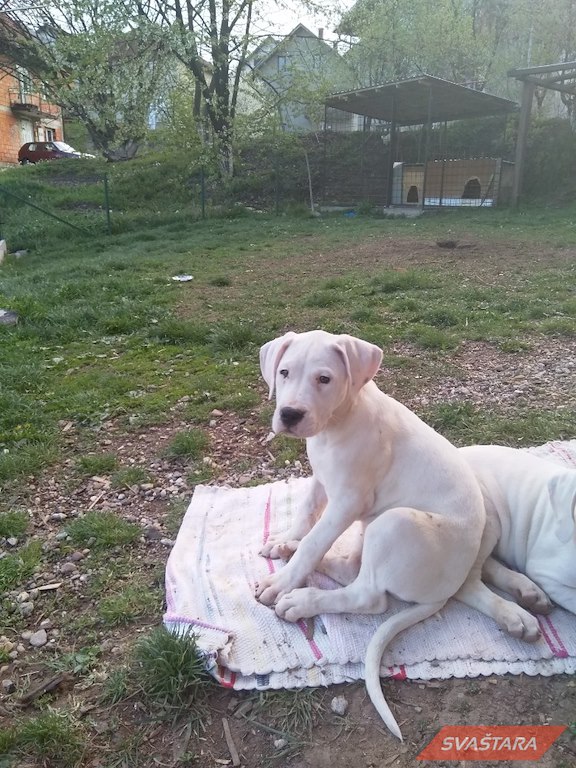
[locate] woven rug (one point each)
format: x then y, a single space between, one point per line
210 580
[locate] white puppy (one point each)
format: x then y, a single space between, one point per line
532 503
374 461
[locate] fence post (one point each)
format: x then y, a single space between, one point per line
107 204
203 192
277 182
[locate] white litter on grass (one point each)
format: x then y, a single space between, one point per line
8 317
183 278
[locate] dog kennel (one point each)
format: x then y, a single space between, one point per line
396 151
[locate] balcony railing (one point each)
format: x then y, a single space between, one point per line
32 105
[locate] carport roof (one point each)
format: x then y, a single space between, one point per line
418 99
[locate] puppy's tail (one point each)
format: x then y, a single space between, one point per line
385 633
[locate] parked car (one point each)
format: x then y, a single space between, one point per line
36 151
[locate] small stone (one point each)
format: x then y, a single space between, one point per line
152 534
6 645
8 686
67 568
280 743
23 597
13 655
91 541
38 639
26 635
58 516
26 609
216 412
339 705
75 556
46 624
8 316
167 542
62 536
146 486
12 541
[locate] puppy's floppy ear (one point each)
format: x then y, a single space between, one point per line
270 355
361 360
562 493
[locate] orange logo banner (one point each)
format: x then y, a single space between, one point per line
496 742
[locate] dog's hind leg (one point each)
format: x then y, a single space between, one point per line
343 564
522 589
284 545
511 617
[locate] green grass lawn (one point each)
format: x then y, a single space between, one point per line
105 334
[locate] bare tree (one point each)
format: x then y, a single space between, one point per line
211 39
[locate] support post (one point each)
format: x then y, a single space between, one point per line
443 159
427 148
392 150
521 139
324 156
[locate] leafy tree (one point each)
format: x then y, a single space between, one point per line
395 39
103 62
471 41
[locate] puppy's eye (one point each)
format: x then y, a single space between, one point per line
284 373
324 379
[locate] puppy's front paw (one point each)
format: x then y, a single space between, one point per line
272 587
279 548
297 604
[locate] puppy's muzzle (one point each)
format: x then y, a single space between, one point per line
291 416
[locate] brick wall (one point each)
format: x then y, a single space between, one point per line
12 133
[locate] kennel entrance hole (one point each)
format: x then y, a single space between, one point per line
412 196
472 189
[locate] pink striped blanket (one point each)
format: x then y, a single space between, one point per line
210 579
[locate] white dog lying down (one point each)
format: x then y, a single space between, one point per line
375 461
531 507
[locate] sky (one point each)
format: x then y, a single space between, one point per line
281 18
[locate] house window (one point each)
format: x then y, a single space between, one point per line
316 61
24 80
283 62
49 134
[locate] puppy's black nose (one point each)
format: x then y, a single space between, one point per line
291 416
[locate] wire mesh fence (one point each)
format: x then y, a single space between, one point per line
444 167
